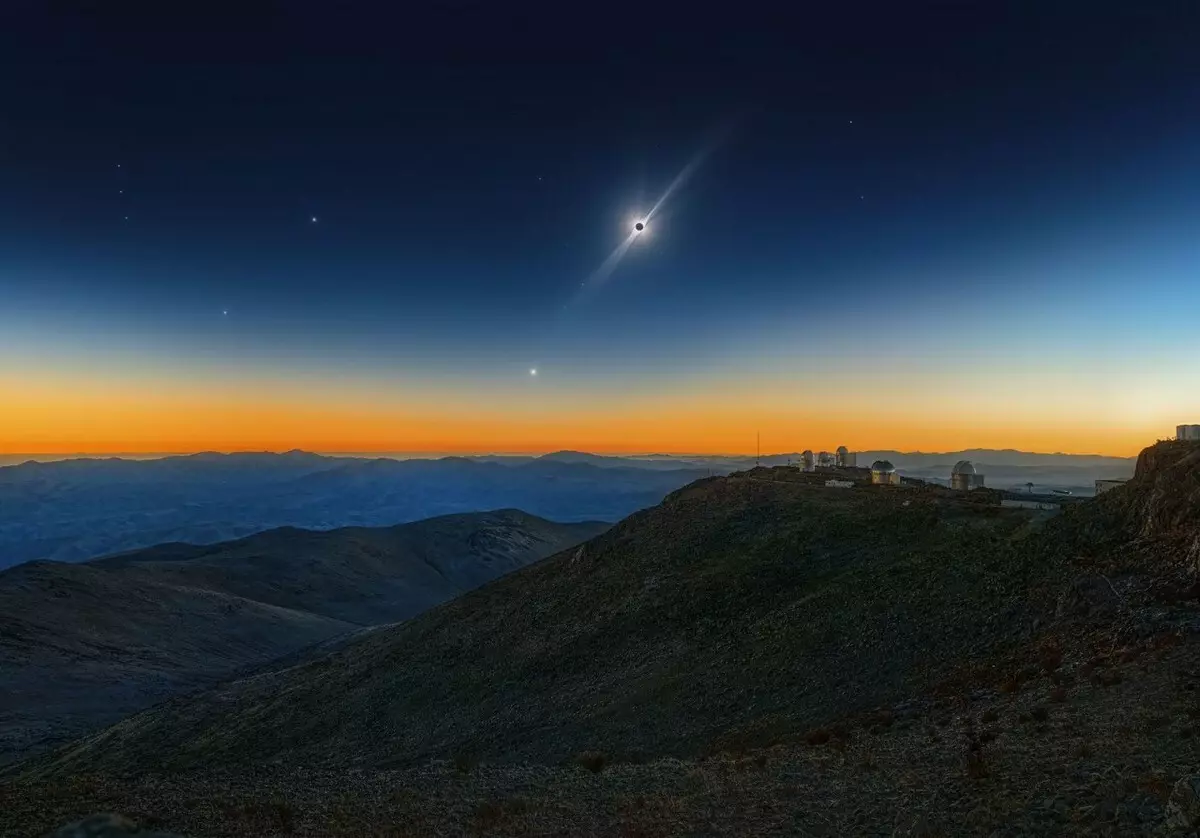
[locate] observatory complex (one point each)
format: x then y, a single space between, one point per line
842 458
883 473
964 478
1187 433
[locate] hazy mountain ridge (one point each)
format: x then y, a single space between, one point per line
79 509
87 643
70 510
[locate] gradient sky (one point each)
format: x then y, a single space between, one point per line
957 226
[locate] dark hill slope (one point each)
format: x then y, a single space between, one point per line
85 644
740 607
364 575
82 646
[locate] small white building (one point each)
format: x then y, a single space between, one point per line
964 477
840 484
1187 433
883 473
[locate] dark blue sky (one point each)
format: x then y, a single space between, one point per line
470 166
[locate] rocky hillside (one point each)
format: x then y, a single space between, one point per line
756 655
86 644
738 609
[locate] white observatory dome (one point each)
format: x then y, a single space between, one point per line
842 450
963 467
883 466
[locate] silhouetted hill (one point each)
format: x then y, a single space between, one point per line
85 644
757 654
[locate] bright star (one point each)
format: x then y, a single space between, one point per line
533 371
314 219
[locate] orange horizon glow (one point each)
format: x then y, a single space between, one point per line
264 427
73 415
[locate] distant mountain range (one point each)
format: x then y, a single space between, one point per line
70 510
73 510
85 644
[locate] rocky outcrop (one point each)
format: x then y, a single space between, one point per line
1183 808
1165 491
1088 596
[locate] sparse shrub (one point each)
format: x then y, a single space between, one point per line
1156 722
1058 695
1082 750
883 718
1166 640
841 732
986 736
1039 714
975 765
491 813
1050 657
1108 678
1010 685
465 762
817 736
1157 785
593 761
990 716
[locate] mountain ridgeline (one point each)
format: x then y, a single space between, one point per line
72 510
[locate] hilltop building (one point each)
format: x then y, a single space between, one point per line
825 460
807 461
883 473
845 458
1103 486
1188 433
964 478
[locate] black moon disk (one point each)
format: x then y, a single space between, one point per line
639 226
